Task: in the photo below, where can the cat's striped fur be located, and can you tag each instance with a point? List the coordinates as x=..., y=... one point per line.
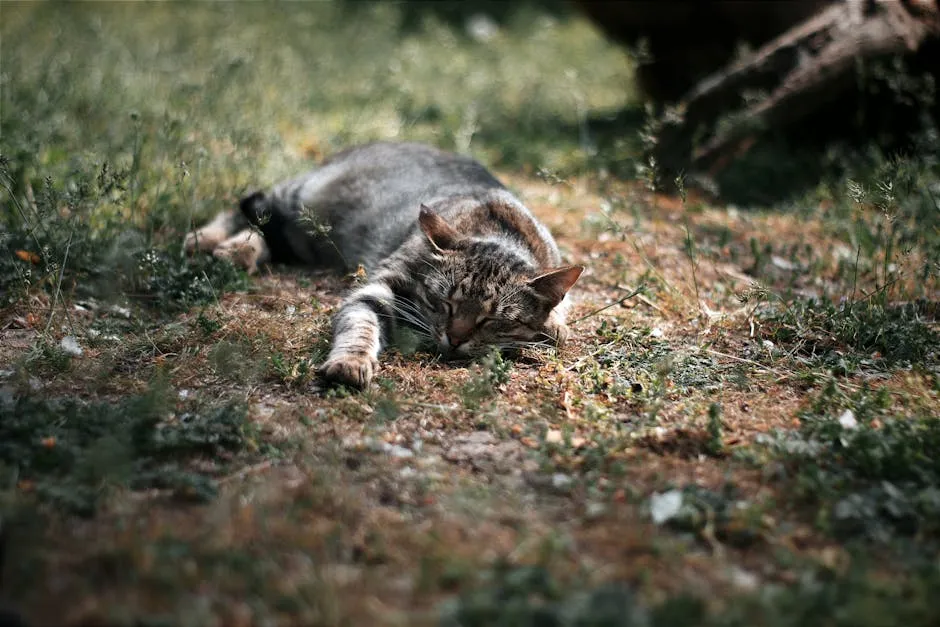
x=447, y=249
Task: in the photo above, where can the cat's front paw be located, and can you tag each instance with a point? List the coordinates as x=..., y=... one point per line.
x=353, y=369
x=558, y=331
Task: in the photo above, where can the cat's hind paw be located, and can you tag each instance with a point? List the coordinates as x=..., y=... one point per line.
x=207, y=238
x=246, y=250
x=204, y=240
x=355, y=370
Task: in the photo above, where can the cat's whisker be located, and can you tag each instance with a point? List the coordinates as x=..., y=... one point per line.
x=410, y=312
x=548, y=343
x=416, y=326
x=414, y=321
x=508, y=296
x=437, y=273
x=401, y=301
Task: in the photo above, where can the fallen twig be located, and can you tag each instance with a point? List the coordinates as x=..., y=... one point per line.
x=619, y=301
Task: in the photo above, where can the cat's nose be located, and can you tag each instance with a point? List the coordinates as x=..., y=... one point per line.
x=459, y=331
x=455, y=340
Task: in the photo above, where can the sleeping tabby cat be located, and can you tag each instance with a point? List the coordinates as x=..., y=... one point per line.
x=447, y=249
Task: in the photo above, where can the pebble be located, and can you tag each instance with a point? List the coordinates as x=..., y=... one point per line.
x=595, y=510
x=70, y=345
x=561, y=481
x=848, y=420
x=665, y=506
x=743, y=579
x=399, y=452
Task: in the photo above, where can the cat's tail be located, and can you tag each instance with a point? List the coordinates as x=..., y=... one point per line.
x=264, y=213
x=255, y=208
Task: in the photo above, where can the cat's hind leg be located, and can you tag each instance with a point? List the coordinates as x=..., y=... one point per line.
x=246, y=249
x=222, y=227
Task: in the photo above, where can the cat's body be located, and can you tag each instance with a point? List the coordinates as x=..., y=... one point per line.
x=447, y=249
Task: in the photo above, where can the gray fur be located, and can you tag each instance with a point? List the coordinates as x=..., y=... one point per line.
x=369, y=196
x=467, y=275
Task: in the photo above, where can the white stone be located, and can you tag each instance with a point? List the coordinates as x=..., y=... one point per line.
x=665, y=506
x=70, y=345
x=847, y=420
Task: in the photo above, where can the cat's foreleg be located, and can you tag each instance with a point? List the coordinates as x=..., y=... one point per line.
x=360, y=329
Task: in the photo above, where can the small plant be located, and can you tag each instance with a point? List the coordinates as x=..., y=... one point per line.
x=169, y=282
x=47, y=359
x=713, y=516
x=530, y=595
x=491, y=372
x=291, y=371
x=385, y=405
x=866, y=469
x=715, y=445
x=237, y=361
x=207, y=325
x=70, y=453
x=877, y=333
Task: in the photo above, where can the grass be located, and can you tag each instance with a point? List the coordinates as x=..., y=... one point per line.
x=72, y=454
x=166, y=456
x=531, y=596
x=864, y=467
x=850, y=335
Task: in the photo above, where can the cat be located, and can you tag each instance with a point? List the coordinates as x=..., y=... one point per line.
x=448, y=251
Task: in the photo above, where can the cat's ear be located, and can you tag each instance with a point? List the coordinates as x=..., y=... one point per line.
x=438, y=232
x=554, y=284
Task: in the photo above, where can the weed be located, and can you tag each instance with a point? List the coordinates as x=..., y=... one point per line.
x=60, y=243
x=385, y=405
x=636, y=364
x=491, y=372
x=71, y=454
x=858, y=598
x=47, y=360
x=237, y=361
x=291, y=371
x=207, y=325
x=718, y=516
x=866, y=469
x=866, y=331
x=530, y=595
x=716, y=445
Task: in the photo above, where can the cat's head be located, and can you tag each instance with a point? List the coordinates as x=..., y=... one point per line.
x=481, y=292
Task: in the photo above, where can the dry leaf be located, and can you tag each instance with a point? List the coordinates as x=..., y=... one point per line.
x=27, y=256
